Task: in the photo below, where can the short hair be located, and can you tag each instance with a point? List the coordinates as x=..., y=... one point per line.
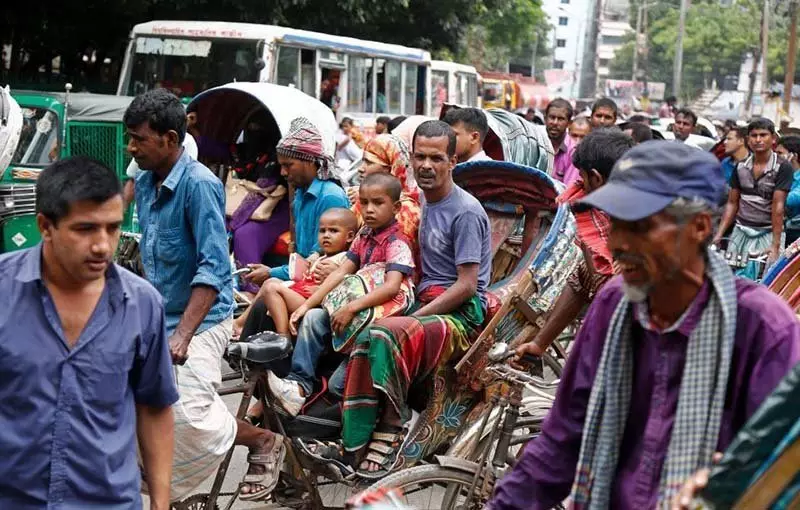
x=560, y=103
x=605, y=102
x=791, y=143
x=345, y=216
x=392, y=125
x=387, y=182
x=685, y=112
x=730, y=124
x=436, y=129
x=600, y=150
x=761, y=123
x=639, y=132
x=346, y=120
x=472, y=118
x=740, y=131
x=581, y=120
x=160, y=109
x=74, y=179
x=641, y=119
x=383, y=119
x=671, y=100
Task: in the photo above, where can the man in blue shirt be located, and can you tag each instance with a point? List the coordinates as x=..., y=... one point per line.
x=735, y=151
x=184, y=249
x=84, y=357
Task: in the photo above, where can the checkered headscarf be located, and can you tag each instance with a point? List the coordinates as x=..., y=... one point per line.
x=304, y=142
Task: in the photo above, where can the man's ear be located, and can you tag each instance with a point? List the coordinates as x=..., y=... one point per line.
x=44, y=224
x=596, y=179
x=173, y=139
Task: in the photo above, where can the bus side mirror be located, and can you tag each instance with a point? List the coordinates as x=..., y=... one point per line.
x=259, y=64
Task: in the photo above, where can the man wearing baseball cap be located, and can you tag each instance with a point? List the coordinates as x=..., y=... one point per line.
x=673, y=356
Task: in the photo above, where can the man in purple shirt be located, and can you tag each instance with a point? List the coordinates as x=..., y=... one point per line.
x=557, y=117
x=673, y=356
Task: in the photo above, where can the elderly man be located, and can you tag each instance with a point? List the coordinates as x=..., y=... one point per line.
x=184, y=251
x=673, y=356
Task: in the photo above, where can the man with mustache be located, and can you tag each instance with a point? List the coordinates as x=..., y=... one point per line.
x=557, y=117
x=757, y=201
x=673, y=357
x=83, y=355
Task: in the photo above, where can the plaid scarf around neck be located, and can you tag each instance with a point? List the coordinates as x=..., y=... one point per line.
x=700, y=400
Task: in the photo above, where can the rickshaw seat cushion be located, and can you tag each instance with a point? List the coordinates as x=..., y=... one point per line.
x=271, y=347
x=281, y=246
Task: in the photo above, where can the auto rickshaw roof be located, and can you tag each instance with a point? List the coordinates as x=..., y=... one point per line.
x=85, y=106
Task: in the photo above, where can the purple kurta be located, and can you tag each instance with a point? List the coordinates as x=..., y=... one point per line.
x=767, y=345
x=563, y=170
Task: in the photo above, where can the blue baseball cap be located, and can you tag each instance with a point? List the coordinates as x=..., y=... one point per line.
x=651, y=175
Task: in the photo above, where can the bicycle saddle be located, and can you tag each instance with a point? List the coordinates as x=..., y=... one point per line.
x=262, y=348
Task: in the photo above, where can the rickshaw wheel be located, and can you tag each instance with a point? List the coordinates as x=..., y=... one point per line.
x=195, y=502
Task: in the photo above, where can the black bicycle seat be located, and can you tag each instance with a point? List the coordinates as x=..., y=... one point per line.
x=262, y=348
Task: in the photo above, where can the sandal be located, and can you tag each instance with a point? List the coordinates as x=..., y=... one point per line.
x=384, y=450
x=329, y=455
x=272, y=462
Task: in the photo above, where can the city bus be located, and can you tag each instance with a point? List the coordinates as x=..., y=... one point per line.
x=453, y=83
x=355, y=78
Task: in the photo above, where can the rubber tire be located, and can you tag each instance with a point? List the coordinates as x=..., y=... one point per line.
x=194, y=502
x=422, y=474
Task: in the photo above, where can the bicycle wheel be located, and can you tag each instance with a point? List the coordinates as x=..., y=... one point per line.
x=433, y=487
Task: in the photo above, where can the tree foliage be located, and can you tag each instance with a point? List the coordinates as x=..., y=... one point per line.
x=40, y=31
x=716, y=41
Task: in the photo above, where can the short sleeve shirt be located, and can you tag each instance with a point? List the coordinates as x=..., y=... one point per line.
x=454, y=231
x=387, y=245
x=755, y=204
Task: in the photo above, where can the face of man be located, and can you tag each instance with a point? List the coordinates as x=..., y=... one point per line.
x=83, y=242
x=298, y=172
x=683, y=126
x=732, y=143
x=380, y=128
x=151, y=150
x=603, y=116
x=467, y=141
x=787, y=156
x=433, y=168
x=760, y=140
x=579, y=130
x=653, y=252
x=556, y=123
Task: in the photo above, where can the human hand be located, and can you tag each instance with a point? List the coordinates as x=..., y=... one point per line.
x=341, y=319
x=772, y=255
x=258, y=275
x=323, y=269
x=295, y=319
x=352, y=194
x=527, y=349
x=692, y=486
x=179, y=348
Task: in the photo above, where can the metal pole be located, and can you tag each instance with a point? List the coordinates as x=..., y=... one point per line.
x=678, y=65
x=645, y=49
x=636, y=44
x=765, y=48
x=791, y=57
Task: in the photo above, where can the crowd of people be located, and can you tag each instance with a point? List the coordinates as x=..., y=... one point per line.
x=389, y=279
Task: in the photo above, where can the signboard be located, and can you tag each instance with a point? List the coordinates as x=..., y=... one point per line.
x=172, y=47
x=627, y=89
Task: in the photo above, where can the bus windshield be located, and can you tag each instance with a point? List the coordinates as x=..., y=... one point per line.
x=190, y=66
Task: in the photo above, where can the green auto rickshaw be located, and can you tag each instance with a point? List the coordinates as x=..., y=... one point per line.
x=58, y=125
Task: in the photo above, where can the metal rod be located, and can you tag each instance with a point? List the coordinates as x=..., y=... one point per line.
x=678, y=64
x=765, y=48
x=636, y=44
x=791, y=58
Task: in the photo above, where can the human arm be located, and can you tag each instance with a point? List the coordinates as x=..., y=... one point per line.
x=778, y=216
x=155, y=432
x=382, y=294
x=334, y=279
x=730, y=212
x=464, y=288
x=565, y=310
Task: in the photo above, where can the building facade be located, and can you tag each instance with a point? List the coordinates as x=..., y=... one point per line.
x=569, y=20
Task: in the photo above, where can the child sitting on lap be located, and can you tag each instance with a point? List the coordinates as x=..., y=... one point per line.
x=379, y=242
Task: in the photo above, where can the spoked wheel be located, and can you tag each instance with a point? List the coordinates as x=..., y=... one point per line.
x=195, y=502
x=434, y=487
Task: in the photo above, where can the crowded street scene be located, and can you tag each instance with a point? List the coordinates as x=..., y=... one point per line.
x=456, y=255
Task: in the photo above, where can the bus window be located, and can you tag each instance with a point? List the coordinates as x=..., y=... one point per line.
x=359, y=84
x=288, y=66
x=394, y=86
x=472, y=88
x=189, y=66
x=308, y=75
x=439, y=89
x=411, y=90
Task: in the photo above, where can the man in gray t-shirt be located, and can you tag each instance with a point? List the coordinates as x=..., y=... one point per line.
x=757, y=200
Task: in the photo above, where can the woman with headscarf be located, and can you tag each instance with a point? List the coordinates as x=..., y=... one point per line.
x=389, y=154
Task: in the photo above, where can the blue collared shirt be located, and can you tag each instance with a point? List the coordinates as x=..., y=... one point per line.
x=308, y=206
x=67, y=416
x=184, y=242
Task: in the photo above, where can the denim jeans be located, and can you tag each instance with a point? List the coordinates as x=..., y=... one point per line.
x=313, y=339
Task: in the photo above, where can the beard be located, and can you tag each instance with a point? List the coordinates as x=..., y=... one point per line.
x=634, y=293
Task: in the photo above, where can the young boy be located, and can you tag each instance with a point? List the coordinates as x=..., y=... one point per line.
x=380, y=241
x=337, y=228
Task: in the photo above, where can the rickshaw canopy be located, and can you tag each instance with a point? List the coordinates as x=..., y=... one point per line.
x=223, y=111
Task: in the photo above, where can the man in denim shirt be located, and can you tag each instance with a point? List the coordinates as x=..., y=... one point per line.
x=184, y=250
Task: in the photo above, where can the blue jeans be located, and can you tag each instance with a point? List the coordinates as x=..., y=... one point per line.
x=313, y=338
